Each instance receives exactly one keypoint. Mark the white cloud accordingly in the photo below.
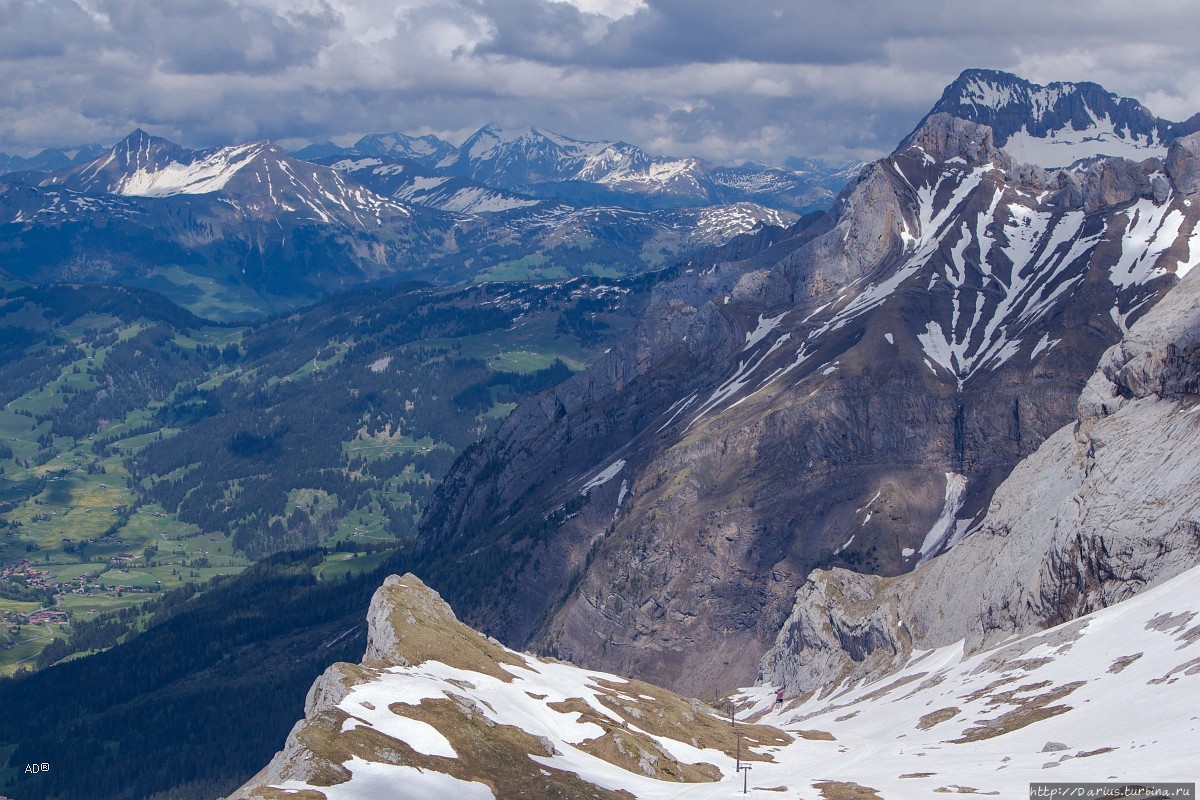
(613, 9)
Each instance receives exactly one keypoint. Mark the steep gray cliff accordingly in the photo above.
(1108, 506)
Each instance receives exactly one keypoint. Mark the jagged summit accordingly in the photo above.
(428, 150)
(515, 159)
(257, 178)
(1057, 124)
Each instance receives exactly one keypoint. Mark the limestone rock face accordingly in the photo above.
(1108, 506)
(1183, 164)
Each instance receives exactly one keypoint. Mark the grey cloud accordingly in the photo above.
(218, 36)
(728, 81)
(40, 30)
(668, 32)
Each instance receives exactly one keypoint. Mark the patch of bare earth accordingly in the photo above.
(1097, 752)
(488, 752)
(1190, 636)
(1168, 623)
(934, 717)
(1187, 668)
(991, 687)
(1028, 710)
(686, 720)
(846, 790)
(633, 751)
(1123, 662)
(955, 789)
(816, 736)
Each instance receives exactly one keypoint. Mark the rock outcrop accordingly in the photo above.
(438, 710)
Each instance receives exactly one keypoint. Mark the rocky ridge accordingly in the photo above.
(1057, 124)
(439, 709)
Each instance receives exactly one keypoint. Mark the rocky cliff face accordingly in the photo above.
(1108, 506)
(848, 396)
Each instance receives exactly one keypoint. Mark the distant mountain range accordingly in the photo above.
(232, 232)
(49, 159)
(547, 165)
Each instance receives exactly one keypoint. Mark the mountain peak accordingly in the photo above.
(139, 140)
(1059, 123)
(426, 150)
(137, 135)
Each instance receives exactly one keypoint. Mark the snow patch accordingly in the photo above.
(621, 497)
(1150, 232)
(956, 486)
(765, 326)
(1066, 146)
(606, 475)
(371, 780)
(203, 176)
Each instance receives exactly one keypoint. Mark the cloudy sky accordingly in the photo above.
(726, 79)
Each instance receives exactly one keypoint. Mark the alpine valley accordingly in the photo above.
(754, 489)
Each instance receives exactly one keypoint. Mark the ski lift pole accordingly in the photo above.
(745, 778)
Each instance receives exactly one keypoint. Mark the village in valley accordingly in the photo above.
(24, 573)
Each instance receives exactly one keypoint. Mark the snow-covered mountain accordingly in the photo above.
(514, 159)
(426, 150)
(551, 165)
(436, 710)
(407, 180)
(260, 179)
(1057, 643)
(850, 394)
(1057, 124)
